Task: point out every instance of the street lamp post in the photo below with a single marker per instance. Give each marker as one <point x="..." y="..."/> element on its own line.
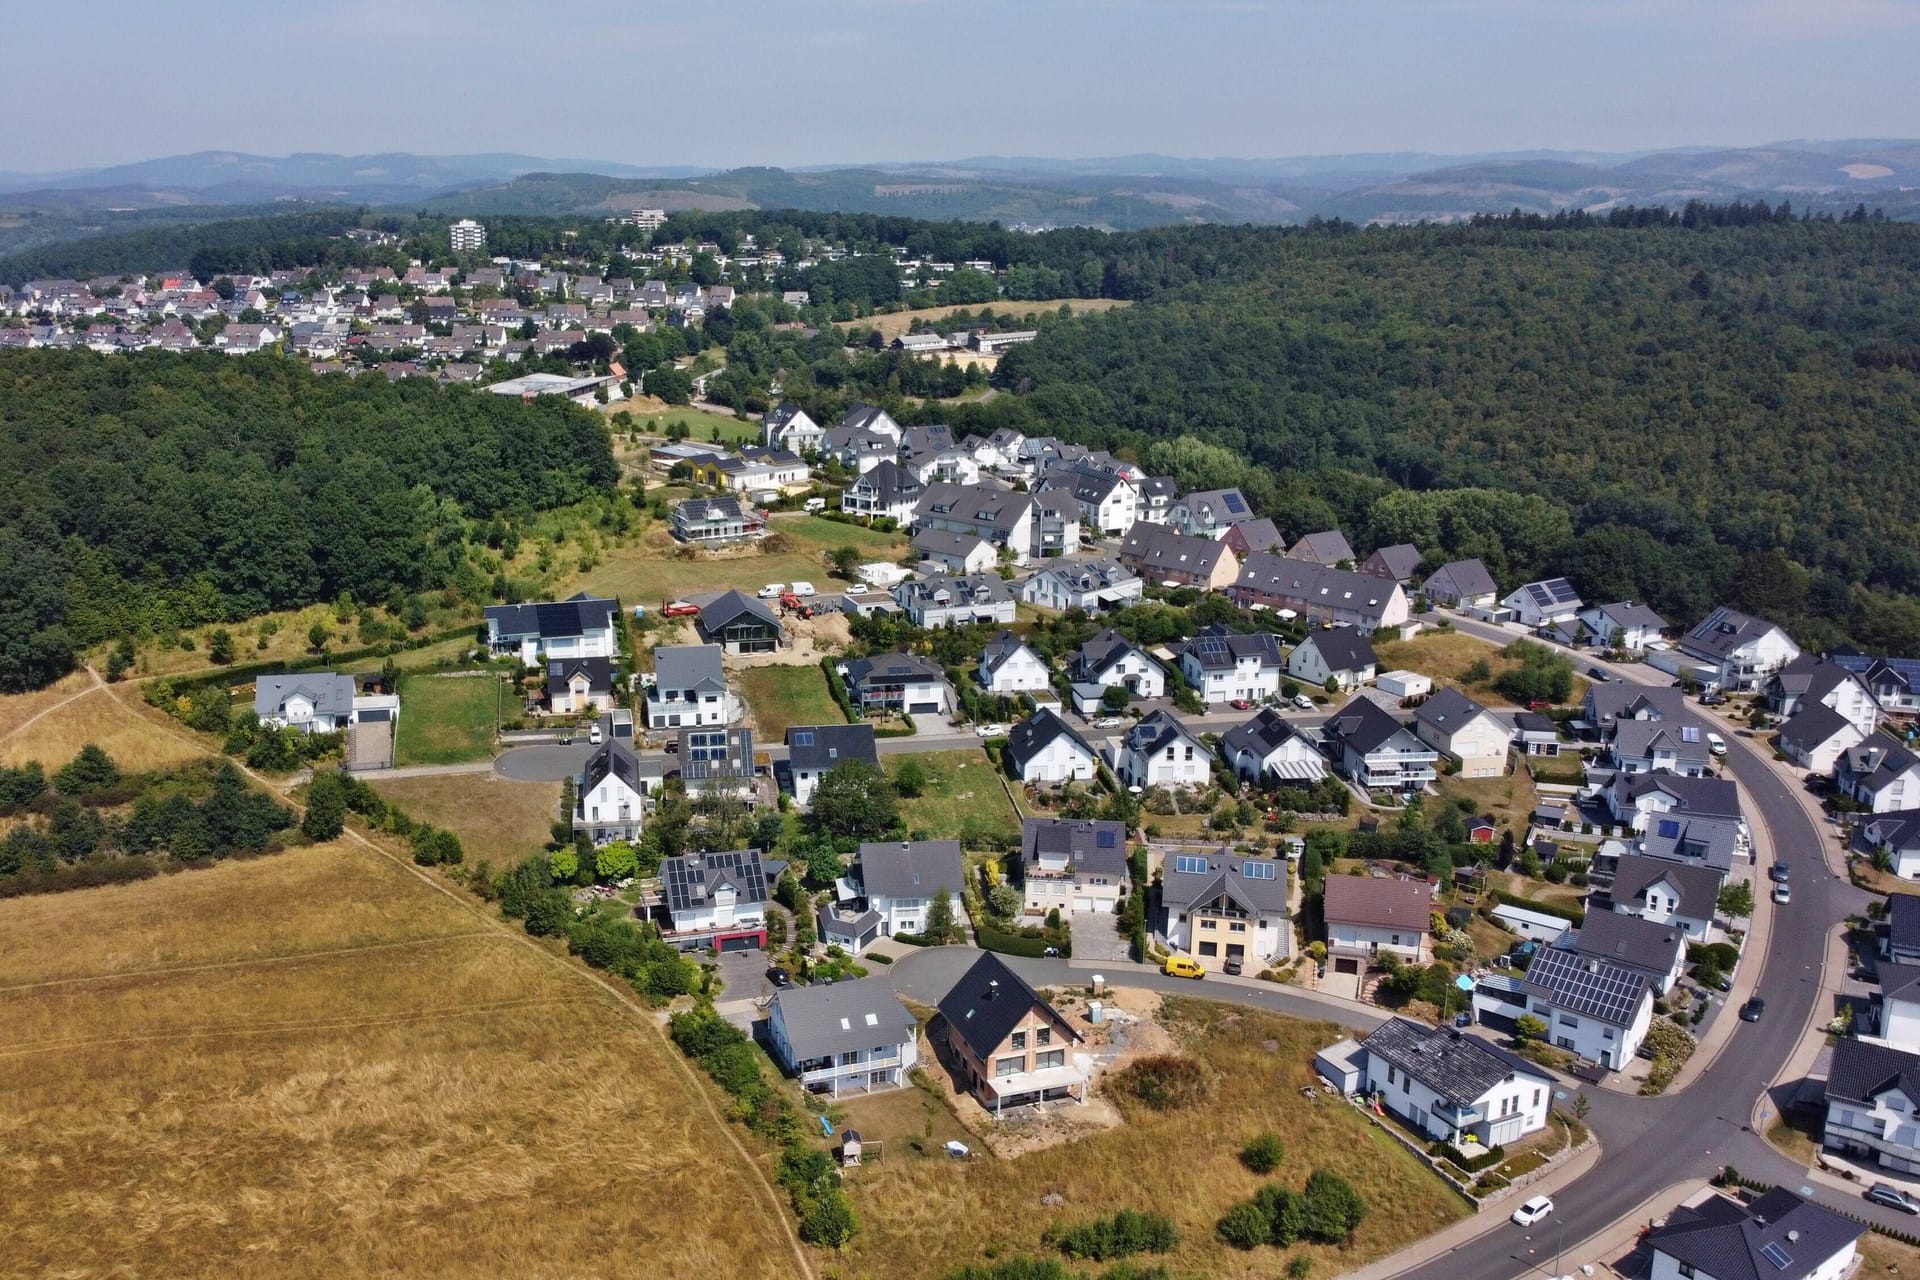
<point x="1560" y="1246"/>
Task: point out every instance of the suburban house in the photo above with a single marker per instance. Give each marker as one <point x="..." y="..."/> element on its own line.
<point x="1461" y="729"/>
<point x="787" y="426"/>
<point x="1160" y="751"/>
<point x="895" y="682"/>
<point x="1231" y="666"/>
<point x="1896" y="1007"/>
<point x="716" y="761"/>
<point x="1009" y="1048"/>
<point x="1635" y="799"/>
<point x="312" y="702"/>
<point x="1455" y="1087"/>
<point x="755" y="473"/>
<point x="1270" y="749"/>
<point x="1343" y="597"/>
<point x="1872" y="1097"/>
<point x="1658" y="951"/>
<point x="712" y="522"/>
<point x="1895" y="682"/>
<point x="1398" y="563"/>
<point x="942" y="601"/>
<point x="1606" y="705"/>
<point x="1461" y="584"/>
<point x="1595" y="1008"/>
<point x="610" y="795"/>
<point x="1743" y="650"/>
<point x="1540" y="604"/>
<point x="813" y="751"/>
<point x="1226" y="909"/>
<point x="1880" y="775"/>
<point x="1815" y="736"/>
<point x="1625" y="625"/>
<point x="888" y="490"/>
<point x="580" y="627"/>
<point x="1897" y="833"/>
<point x="943" y="552"/>
<point x="740" y="624"/>
<point x="719" y="900"/>
<point x="1903" y="929"/>
<point x="1536" y="734"/>
<point x="1341" y="655"/>
<point x="1044" y="748"/>
<point x="1677" y="746"/>
<point x="844" y="1037"/>
<point x="1110" y="660"/>
<point x="1692" y="841"/>
<point x="1779" y="1236"/>
<point x="1328" y="547"/>
<point x="863" y="437"/>
<point x="1208" y="513"/>
<point x="1159" y="553"/>
<point x="1024" y="525"/>
<point x="1368" y="914"/>
<point x="900" y="878"/>
<point x="578" y="685"/>
<point x="689" y="687"/>
<point x="1376" y="751"/>
<point x="1809" y="681"/>
<point x="1667" y="893"/>
<point x="1076" y="866"/>
<point x="1250" y="536"/>
<point x="1107" y="501"/>
<point x="1009" y="665"/>
<point x="1091" y="586"/>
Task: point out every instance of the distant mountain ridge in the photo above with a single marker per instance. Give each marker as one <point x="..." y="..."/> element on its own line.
<point x="1117" y="191"/>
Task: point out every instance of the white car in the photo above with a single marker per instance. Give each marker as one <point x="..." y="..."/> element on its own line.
<point x="593" y="735"/>
<point x="1533" y="1210"/>
<point x="1303" y="702"/>
<point x="773" y="590"/>
<point x="1782" y="894"/>
<point x="1716" y="744"/>
<point x="802" y="589"/>
<point x="992" y="730"/>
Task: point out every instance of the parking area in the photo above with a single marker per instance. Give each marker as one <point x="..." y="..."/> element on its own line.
<point x="744" y="986"/>
<point x="1096" y="938"/>
<point x="370" y="745"/>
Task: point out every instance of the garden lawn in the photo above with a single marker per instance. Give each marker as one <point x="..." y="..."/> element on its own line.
<point x="1509" y="800"/>
<point x="445" y="719"/>
<point x="783" y="696"/>
<point x="700" y="424"/>
<point x="963" y="799"/>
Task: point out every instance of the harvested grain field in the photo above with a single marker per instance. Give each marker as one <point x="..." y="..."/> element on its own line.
<point x="496" y="818"/>
<point x="320" y="1064"/>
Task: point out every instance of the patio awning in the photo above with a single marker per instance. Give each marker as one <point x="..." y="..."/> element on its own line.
<point x="1298" y="770"/>
<point x="1063" y="1077"/>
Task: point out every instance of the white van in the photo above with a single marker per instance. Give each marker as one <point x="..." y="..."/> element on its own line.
<point x="1716" y="744"/>
<point x="815" y="506"/>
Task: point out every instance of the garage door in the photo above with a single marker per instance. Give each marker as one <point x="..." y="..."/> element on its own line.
<point x="923" y="708"/>
<point x="1085" y="904"/>
<point x="380" y="716"/>
<point x="744" y="942"/>
<point x="1348" y="965"/>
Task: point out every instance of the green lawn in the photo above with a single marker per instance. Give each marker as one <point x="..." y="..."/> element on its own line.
<point x="700" y="425"/>
<point x="783" y="696"/>
<point x="649" y="575"/>
<point x="817" y="533"/>
<point x="446" y="719"/>
<point x="963" y="799"/>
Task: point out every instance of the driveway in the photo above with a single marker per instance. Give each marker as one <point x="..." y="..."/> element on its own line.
<point x="543" y="764"/>
<point x="743" y="981"/>
<point x="1096" y="938"/>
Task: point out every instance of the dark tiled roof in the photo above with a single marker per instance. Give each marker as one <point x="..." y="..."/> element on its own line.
<point x="1813" y="725"/>
<point x="1860" y="1071"/>
<point x="1722" y="632"/>
<point x="1364" y="725"/>
<point x="693" y="879"/>
<point x="1342" y="649"/>
<point x="599" y="673"/>
<point x="1258" y="885"/>
<point x="988" y="1002"/>
<point x="1039" y="731"/>
<point x="552" y="620"/>
<point x="887" y="667"/>
<point x="1449" y="710"/>
<point x="1698" y="886"/>
<point x="1629" y="940"/>
<point x="911" y="869"/>
<point x="1458" y="1067"/>
<point x="842" y="1017"/>
<point x="820" y="747"/>
<point x="1089" y="845"/>
<point x="1261" y="735"/>
<point x="1778" y="1237"/>
<point x="1903" y="921"/>
<point x="1378" y="903"/>
<point x="1218" y="648"/>
<point x="1466" y="578"/>
<point x="730" y="607"/>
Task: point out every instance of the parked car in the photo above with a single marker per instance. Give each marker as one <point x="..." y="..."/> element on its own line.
<point x="1533" y="1210"/>
<point x="779" y="977"/>
<point x="1303" y="702"/>
<point x="1107" y="722"/>
<point x="1893" y="1198"/>
<point x="1716" y="744"/>
<point x="1779" y="872"/>
<point x="1233" y="967"/>
<point x="772" y="591"/>
<point x="593" y="735"/>
<point x="802" y="589"/>
<point x="1752" y="1009"/>
<point x="1241" y="704"/>
<point x="993" y="730"/>
<point x="673" y="746"/>
<point x="682" y="609"/>
<point x="1712" y="699"/>
<point x="1183" y="967"/>
<point x="815" y="505"/>
<point x="1595" y="673"/>
<point x="1782" y="894"/>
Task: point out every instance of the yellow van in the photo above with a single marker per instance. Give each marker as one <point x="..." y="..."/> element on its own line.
<point x="1183" y="967"/>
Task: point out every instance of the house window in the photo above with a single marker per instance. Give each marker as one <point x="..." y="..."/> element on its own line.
<point x="1043" y="1035"/>
<point x="1009" y="1066"/>
<point x="1020" y="1040"/>
<point x="1687" y="1272"/>
<point x="1237" y="926"/>
<point x="1536" y="1097"/>
<point x="1051" y="1058"/>
<point x="1393" y="1075"/>
<point x="1568" y="1020"/>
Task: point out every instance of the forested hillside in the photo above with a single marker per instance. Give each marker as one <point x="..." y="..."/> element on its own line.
<point x="151" y="491"/>
<point x="1701" y="413"/>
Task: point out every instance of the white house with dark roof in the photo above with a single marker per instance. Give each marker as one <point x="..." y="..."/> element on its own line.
<point x="895" y="682"/>
<point x="1815" y="736"/>
<point x="1873" y="1097"/>
<point x="1461" y="584"/>
<point x="787" y="426"/>
<point x="578" y="627"/>
<point x="1009" y="665"/>
<point x="610" y="796"/>
<point x="1226" y="908"/>
<point x="1270" y="749"/>
<point x="1895" y="682"/>
<point x="1107" y="501"/>
<point x="718" y="899"/>
<point x="1230" y="666"/>
<point x="1677" y="746"/>
<point x="1656" y="949"/>
<point x="310" y="701"/>
<point x="578" y="685"/>
<point x="1880" y="774"/>
<point x="1454" y="1087"/>
<point x="688" y="688"/>
<point x="1076" y="866"/>
<point x="1398" y="563"/>
<point x="1743" y="650"/>
<point x="1045" y="749"/>
<point x="1623" y="625"/>
<point x="1208" y="513"/>
<point x="1778" y="1236"/>
<point x="1110" y="660"/>
<point x="900" y="878"/>
<point x="1809" y="681"/>
<point x="941" y="551"/>
<point x="1343" y="597"/>
<point x="1897" y="834"/>
<point x="1896" y="1008"/>
<point x="814" y="750"/>
<point x="844" y="1037"/>
<point x="1092" y="586"/>
<point x="1376" y="751"/>
<point x="1160" y="751"/>
<point x="1595" y="1008"/>
<point x="1342" y="655"/>
<point x="886" y="489"/>
<point x="1461" y="729"/>
<point x="1366" y="915"/>
<point x="945" y="601"/>
<point x="1635" y="799"/>
<point x="1692" y="840"/>
<point x="1538" y="604"/>
<point x="1667" y="893"/>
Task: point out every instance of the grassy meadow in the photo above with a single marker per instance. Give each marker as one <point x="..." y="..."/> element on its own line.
<point x="448" y="719"/>
<point x="962" y="786"/>
<point x="783" y="696"/>
<point x="496" y="818"/>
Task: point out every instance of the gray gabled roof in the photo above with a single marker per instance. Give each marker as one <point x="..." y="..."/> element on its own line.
<point x="553" y="619"/>
<point x="1262" y="734"/>
<point x="1225" y="506"/>
<point x="1003" y="648"/>
<point x="911" y="869"/>
<point x="693" y="879"/>
<point x="612" y="757"/>
<point x="1700" y="797"/>
<point x="1039" y="731"/>
<point x="1089" y="845"/>
<point x="1363" y="725"/>
<point x="1778" y="1237"/>
<point x="730" y="607"/>
<point x="1586" y="985"/>
<point x="1184" y="885"/>
<point x="1607" y="704"/>
<point x="598" y="671"/>
<point x="822" y="746"/>
<point x="843" y="1017"/>
<point x="1722" y="632"/>
<point x="1813" y="725"/>
<point x="1627" y="614"/>
<point x="944" y="542"/>
<point x="1459" y="1067"/>
<point x="1685" y="736"/>
<point x="1625" y="939"/>
<point x="1260" y="535"/>
<point x="1464" y="578"/>
<point x="1903" y="922"/>
<point x="1692" y="840"/>
<point x="1099" y="653"/>
<point x="1449" y="711"/>
<point x="889" y="483"/>
<point x="885" y="667"/>
<point x="1216" y="647"/>
<point x="1159" y="730"/>
<point x="1860" y="1072"/>
<point x="1698" y="886"/>
<point x="1878" y="760"/>
<point x="1158" y="549"/>
<point x="1401" y="560"/>
<point x="1342" y="649"/>
<point x="330" y="692"/>
<point x="1329" y="547"/>
<point x="1897" y="829"/>
<point x="689" y="666"/>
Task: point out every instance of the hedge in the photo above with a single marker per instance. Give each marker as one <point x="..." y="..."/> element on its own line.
<point x="1574" y="914"/>
<point x="164" y="688"/>
<point x="1488" y="1157"/>
<point x="1015" y="944"/>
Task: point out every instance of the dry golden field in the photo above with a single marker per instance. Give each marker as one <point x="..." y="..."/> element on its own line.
<point x="319" y="1064"/>
<point x="52" y="725"/>
<point x="496" y="818"/>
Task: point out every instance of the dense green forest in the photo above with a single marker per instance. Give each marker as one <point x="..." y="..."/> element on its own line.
<point x="153" y="490"/>
<point x="1682" y="414"/>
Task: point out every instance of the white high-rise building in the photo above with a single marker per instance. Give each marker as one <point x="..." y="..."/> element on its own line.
<point x="467" y="236"/>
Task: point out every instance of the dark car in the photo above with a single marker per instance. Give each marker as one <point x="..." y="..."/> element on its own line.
<point x="1779" y="872"/>
<point x="1892" y="1198"/>
<point x="673" y="745"/>
<point x="1712" y="700"/>
<point x="779" y="977"/>
<point x="1595" y="673"/>
<point x="1233" y="967"/>
<point x="1752" y="1009"/>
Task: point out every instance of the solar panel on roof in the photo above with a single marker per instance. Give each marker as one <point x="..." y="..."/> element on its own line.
<point x="1689" y="733"/>
<point x="1773" y="1253"/>
<point x="1105" y="839"/>
<point x="803" y="737"/>
<point x="1232" y="501"/>
<point x="1669" y="828"/>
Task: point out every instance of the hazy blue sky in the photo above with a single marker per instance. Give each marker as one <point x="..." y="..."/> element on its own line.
<point x="730" y="82"/>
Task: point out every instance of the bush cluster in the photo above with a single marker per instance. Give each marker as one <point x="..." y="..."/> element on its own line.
<point x="1124" y="1234"/>
<point x="1327" y="1212"/>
